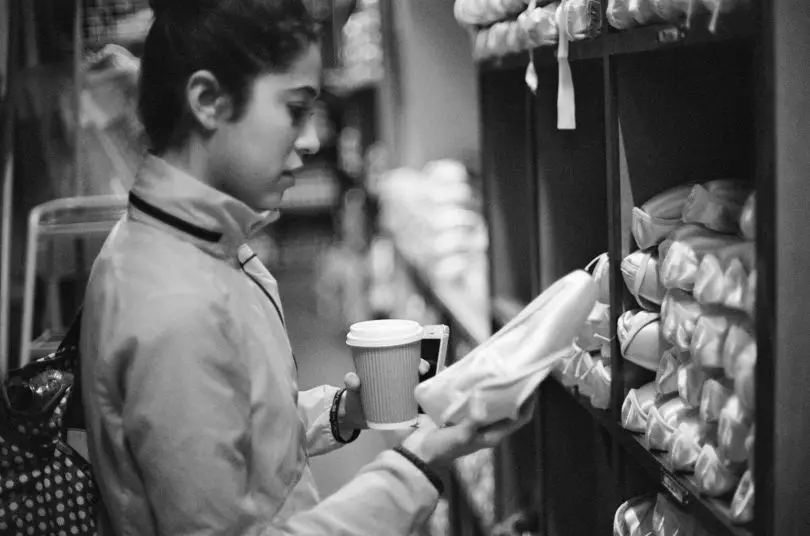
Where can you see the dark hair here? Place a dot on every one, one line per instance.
(236, 40)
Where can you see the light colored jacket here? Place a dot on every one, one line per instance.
(195, 422)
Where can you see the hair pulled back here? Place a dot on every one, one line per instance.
(236, 40)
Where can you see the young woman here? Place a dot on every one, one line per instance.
(196, 425)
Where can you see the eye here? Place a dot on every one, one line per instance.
(299, 113)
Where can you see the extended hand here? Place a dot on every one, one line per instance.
(439, 446)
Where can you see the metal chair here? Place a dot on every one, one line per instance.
(79, 218)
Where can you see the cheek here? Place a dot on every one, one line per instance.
(253, 151)
(268, 139)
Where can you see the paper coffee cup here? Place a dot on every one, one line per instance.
(386, 356)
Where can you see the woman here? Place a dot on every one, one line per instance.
(195, 422)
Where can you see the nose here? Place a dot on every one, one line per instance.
(308, 142)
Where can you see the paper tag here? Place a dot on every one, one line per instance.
(670, 35)
(675, 488)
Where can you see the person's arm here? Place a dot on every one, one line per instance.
(316, 409)
(186, 418)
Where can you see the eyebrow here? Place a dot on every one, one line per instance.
(309, 91)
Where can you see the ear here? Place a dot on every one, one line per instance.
(208, 103)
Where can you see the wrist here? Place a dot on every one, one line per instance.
(424, 467)
(341, 432)
(344, 423)
(417, 444)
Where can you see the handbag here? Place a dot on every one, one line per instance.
(46, 487)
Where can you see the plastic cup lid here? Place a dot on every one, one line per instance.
(378, 333)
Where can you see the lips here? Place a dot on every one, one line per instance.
(287, 179)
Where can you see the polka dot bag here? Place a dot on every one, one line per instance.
(46, 488)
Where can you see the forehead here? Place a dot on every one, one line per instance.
(304, 74)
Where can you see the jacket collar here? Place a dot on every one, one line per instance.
(215, 221)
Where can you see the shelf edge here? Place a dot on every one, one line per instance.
(707, 510)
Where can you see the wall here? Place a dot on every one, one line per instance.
(434, 110)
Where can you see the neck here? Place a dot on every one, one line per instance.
(192, 159)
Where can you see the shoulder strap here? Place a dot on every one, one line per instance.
(74, 413)
(73, 335)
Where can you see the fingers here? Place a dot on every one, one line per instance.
(471, 427)
(351, 381)
(424, 367)
(493, 434)
(463, 434)
(527, 411)
(469, 435)
(497, 432)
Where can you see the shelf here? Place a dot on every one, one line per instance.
(603, 417)
(509, 62)
(546, 55)
(712, 513)
(586, 49)
(641, 39)
(667, 36)
(674, 105)
(469, 319)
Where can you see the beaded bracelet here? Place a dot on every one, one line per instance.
(422, 466)
(334, 422)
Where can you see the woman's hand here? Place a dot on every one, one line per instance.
(440, 446)
(350, 412)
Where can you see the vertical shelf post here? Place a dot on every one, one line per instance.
(766, 270)
(785, 293)
(615, 249)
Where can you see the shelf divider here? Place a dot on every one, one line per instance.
(610, 42)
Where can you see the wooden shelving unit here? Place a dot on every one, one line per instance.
(656, 107)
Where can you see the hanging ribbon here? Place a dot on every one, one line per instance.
(531, 73)
(715, 16)
(566, 105)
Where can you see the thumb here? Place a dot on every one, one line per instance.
(351, 381)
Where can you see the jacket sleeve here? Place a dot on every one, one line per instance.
(186, 418)
(315, 406)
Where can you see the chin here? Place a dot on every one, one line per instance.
(268, 202)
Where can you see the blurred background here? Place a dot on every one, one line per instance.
(472, 153)
(74, 144)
